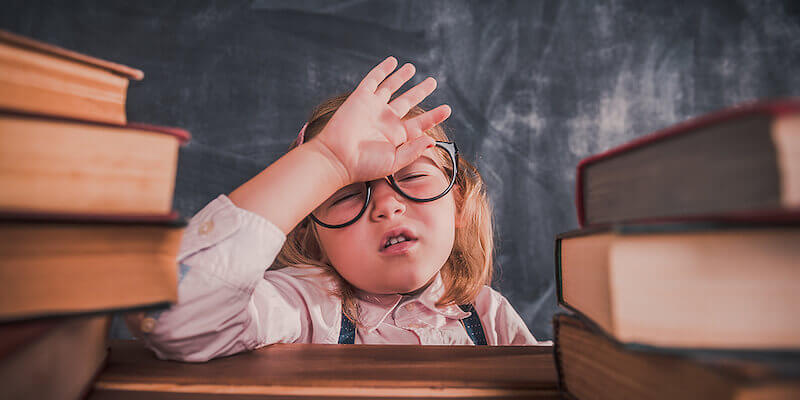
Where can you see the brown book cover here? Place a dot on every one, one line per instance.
(334, 371)
(57, 165)
(740, 163)
(41, 78)
(59, 362)
(592, 366)
(85, 265)
(685, 285)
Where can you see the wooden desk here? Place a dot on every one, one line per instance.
(300, 371)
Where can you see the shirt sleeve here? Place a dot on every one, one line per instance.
(225, 305)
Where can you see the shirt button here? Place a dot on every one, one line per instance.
(206, 227)
(147, 325)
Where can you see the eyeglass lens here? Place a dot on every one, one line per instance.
(426, 178)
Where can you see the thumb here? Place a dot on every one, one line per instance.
(410, 151)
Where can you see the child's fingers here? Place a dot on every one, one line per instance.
(410, 151)
(377, 75)
(394, 81)
(402, 104)
(428, 120)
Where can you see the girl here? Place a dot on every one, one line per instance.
(369, 230)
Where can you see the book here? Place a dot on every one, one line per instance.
(734, 286)
(741, 163)
(56, 265)
(58, 165)
(53, 359)
(289, 370)
(41, 78)
(594, 366)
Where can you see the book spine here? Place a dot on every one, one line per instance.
(579, 203)
(559, 282)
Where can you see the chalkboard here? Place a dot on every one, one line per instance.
(534, 85)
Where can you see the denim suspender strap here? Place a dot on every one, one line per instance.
(347, 334)
(473, 325)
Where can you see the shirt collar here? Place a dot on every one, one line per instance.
(374, 308)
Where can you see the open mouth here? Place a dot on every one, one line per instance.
(399, 247)
(397, 239)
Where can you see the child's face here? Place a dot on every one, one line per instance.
(357, 250)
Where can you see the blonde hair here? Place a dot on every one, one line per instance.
(470, 263)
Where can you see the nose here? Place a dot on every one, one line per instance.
(386, 202)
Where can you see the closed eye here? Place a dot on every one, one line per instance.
(412, 177)
(344, 198)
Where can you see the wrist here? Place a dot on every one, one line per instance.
(318, 149)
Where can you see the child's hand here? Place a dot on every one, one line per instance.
(367, 137)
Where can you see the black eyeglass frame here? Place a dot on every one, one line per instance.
(451, 149)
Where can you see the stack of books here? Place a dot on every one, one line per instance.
(684, 279)
(86, 220)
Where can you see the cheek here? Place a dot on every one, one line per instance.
(443, 221)
(340, 247)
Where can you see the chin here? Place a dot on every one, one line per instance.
(412, 282)
(398, 286)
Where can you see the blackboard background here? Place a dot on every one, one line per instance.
(534, 85)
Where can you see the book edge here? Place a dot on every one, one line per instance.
(172, 219)
(742, 219)
(560, 383)
(57, 51)
(181, 134)
(149, 307)
(89, 387)
(696, 353)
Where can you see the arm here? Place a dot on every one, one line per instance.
(224, 253)
(293, 186)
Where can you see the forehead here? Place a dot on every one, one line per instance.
(437, 155)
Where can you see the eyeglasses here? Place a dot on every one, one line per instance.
(429, 177)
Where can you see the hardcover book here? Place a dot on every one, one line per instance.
(54, 165)
(40, 78)
(55, 265)
(685, 285)
(592, 366)
(741, 163)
